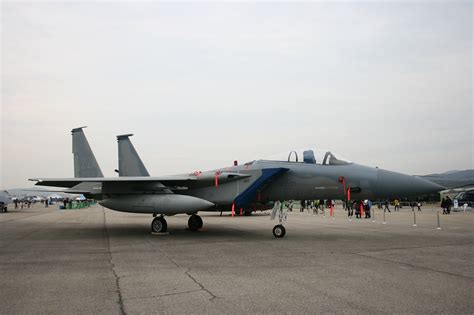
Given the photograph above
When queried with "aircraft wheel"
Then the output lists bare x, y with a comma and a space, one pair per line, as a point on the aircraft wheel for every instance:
159, 225
248, 213
279, 231
195, 222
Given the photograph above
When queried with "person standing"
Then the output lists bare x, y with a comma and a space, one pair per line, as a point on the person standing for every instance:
357, 209
315, 206
448, 205
386, 203
443, 205
350, 209
396, 202
367, 209
419, 206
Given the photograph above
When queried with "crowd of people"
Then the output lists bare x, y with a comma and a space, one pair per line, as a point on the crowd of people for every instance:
314, 206
361, 208
23, 203
358, 208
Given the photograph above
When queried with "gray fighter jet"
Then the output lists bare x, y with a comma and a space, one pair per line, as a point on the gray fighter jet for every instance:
298, 175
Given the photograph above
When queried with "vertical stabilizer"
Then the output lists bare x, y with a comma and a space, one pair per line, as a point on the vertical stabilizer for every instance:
85, 164
130, 163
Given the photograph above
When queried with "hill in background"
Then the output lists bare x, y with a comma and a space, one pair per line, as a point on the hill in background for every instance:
452, 179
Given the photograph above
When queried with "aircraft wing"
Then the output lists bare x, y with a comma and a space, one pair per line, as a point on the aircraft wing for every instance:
140, 183
71, 182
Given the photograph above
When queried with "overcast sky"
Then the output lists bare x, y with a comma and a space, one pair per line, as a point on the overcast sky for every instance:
383, 84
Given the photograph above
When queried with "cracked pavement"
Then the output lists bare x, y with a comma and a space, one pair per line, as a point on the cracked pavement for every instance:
100, 261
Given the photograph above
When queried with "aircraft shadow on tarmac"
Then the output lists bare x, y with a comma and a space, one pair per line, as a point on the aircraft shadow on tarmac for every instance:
133, 231
211, 233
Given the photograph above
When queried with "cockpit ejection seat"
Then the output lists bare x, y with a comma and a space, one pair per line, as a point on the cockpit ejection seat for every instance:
308, 157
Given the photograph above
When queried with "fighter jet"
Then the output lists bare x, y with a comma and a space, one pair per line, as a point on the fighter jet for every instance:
306, 174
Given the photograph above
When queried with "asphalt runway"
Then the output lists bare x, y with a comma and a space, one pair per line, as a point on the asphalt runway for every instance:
100, 261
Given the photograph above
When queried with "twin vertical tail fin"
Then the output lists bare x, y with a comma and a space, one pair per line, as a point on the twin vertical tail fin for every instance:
130, 163
85, 164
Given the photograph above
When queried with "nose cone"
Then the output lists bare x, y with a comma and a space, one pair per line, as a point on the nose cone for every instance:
394, 185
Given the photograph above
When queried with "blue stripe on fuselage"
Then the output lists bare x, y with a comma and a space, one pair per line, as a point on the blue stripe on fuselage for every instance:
249, 194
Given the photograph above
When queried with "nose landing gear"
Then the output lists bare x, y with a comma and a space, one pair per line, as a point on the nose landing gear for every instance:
279, 230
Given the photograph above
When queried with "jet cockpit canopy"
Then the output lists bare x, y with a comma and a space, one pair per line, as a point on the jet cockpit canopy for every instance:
310, 156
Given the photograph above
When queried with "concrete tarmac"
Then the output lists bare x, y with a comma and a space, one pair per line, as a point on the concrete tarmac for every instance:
99, 261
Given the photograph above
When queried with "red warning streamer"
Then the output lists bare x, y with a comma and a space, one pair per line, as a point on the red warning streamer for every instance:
216, 178
233, 209
347, 192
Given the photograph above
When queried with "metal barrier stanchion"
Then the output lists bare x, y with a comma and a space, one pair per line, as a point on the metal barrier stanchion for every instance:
437, 214
373, 215
414, 218
384, 222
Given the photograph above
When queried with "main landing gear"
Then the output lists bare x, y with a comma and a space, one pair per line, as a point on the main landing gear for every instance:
195, 222
159, 225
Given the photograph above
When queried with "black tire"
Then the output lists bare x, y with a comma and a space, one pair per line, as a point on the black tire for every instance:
195, 222
248, 213
279, 231
159, 225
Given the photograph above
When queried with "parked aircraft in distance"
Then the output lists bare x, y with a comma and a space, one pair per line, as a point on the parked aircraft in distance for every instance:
297, 175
